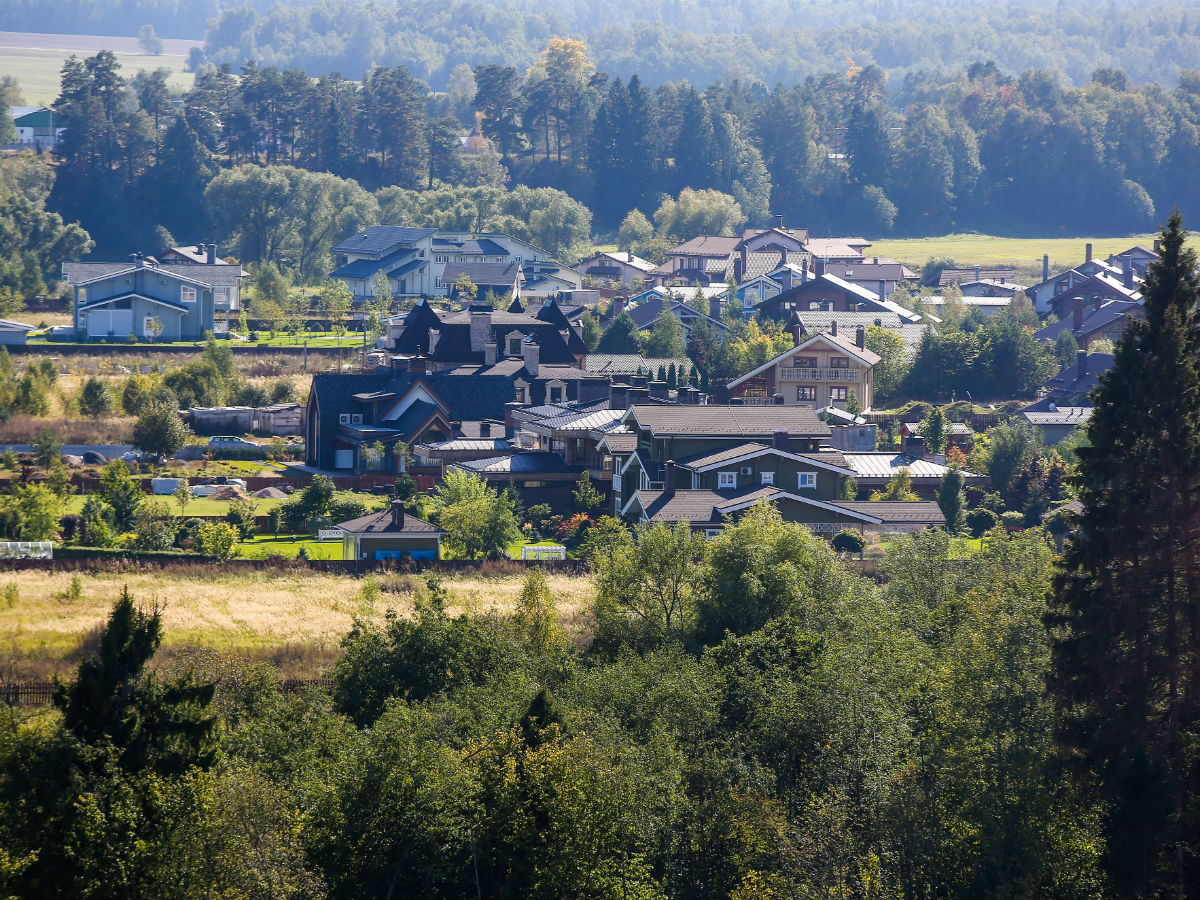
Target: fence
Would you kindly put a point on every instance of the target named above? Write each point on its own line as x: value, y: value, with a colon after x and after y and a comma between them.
x: 39, y: 693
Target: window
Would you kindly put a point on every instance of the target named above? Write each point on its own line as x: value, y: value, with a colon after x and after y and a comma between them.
x: 806, y: 393
x: 520, y: 395
x: 556, y: 395
x: 768, y: 477
x: 221, y: 294
x: 711, y: 533
x: 805, y: 362
x: 839, y: 362
x: 616, y: 481
x: 806, y: 480
x: 726, y: 480
x: 837, y: 393
x: 514, y: 346
x: 82, y: 295
x: 187, y: 294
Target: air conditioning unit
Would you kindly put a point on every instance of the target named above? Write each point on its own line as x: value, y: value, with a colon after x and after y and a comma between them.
x: 343, y: 418
x: 356, y: 419
x: 747, y: 470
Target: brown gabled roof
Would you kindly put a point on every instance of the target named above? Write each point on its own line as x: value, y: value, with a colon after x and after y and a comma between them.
x: 731, y: 421
x: 706, y: 245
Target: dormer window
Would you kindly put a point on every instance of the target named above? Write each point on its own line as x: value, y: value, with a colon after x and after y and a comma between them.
x: 726, y: 480
x: 514, y: 346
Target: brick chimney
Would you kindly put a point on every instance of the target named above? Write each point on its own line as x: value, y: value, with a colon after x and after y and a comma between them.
x: 914, y: 446
x: 833, y: 328
x: 1076, y: 313
x: 489, y: 353
x: 481, y: 327
x: 618, y: 396
x: 669, y: 477
x: 398, y: 514
x: 779, y: 439
x: 531, y: 352
x: 1081, y: 364
x: 658, y: 390
x: 212, y: 254
x: 860, y: 337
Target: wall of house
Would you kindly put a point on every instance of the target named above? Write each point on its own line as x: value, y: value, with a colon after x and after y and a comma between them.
x: 786, y: 477
x: 820, y: 382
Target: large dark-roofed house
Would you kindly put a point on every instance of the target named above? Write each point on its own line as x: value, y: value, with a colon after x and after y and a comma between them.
x: 402, y: 254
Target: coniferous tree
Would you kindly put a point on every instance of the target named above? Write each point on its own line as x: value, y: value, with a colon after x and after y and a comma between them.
x: 952, y: 500
x: 1125, y: 613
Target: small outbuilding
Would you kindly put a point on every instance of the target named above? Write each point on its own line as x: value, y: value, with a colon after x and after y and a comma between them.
x: 390, y: 534
x: 13, y: 332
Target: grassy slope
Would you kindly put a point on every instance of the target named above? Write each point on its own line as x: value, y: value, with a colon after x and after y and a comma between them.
x: 970, y: 249
x: 37, y: 67
x: 292, y: 619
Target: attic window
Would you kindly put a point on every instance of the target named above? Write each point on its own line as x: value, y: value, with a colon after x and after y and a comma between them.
x: 514, y: 346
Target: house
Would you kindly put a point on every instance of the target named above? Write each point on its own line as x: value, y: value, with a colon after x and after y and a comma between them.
x: 279, y: 419
x: 192, y: 255
x: 1097, y: 289
x: 493, y: 281
x: 653, y: 305
x: 957, y: 275
x: 548, y: 278
x: 1073, y: 385
x: 403, y: 255
x: 537, y: 477
x: 153, y: 301
x: 618, y: 365
x: 958, y: 434
x: 818, y: 371
x: 873, y: 470
x: 13, y: 333
x: 821, y: 322
x: 38, y: 127
x: 482, y: 335
x: 1053, y: 421
x: 392, y: 534
x: 820, y: 290
x: 702, y: 260
x: 616, y: 267
x: 1091, y: 320
x: 707, y: 464
x: 1050, y: 287
x: 879, y: 274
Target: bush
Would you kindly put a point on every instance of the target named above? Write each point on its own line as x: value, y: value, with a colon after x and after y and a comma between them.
x: 980, y: 521
x: 848, y: 541
x: 344, y: 509
x: 1013, y: 520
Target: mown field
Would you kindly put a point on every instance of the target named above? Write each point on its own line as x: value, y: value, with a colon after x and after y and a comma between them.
x: 36, y: 60
x: 1025, y: 253
x: 293, y: 619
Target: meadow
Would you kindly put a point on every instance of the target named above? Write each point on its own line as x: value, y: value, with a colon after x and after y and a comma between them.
x: 36, y: 60
x: 988, y: 250
x: 293, y: 618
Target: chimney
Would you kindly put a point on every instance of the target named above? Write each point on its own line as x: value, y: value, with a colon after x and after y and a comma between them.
x: 783, y: 257
x: 1081, y: 363
x: 796, y: 327
x: 416, y: 365
x: 138, y: 261
x: 481, y: 327
x: 779, y: 221
x: 914, y: 446
x: 779, y: 439
x: 977, y: 273
x: 818, y: 266
x: 1157, y: 245
x: 434, y: 337
x: 637, y: 381
x: 485, y: 429
x: 618, y: 306
x: 714, y: 308
x: 882, y: 289
x: 1087, y: 252
x: 1045, y: 267
x: 618, y: 396
x: 531, y: 352
x: 658, y: 390
x: 398, y: 513
x: 1076, y: 313
x: 833, y: 328
x: 212, y: 254
x: 637, y: 395
x: 1127, y: 272
x: 489, y: 353
x: 860, y: 337
x: 803, y: 271
x: 669, y: 477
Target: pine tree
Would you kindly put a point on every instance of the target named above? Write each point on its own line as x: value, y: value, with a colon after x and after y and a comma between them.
x: 1124, y: 618
x: 952, y: 500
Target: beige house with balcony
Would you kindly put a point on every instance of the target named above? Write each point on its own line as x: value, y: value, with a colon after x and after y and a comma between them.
x: 819, y: 371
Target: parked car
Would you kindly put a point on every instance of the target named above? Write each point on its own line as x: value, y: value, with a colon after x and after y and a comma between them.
x: 229, y: 442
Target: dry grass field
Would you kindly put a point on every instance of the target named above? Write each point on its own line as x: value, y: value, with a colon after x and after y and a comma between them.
x: 293, y: 619
x: 36, y: 60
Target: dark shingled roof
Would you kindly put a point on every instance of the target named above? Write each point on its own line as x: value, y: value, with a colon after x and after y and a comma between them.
x: 483, y: 275
x: 538, y: 462
x: 365, y: 268
x: 217, y: 276
x: 381, y: 238
x: 382, y: 523
x: 896, y: 513
x: 735, y: 421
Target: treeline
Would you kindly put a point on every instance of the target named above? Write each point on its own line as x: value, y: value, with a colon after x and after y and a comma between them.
x: 751, y: 720
x: 971, y: 149
x: 664, y: 40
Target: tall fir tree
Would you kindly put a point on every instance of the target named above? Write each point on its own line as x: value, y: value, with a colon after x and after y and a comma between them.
x: 1124, y: 618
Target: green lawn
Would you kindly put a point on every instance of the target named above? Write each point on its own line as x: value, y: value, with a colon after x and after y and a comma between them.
x: 36, y: 60
x: 514, y: 550
x: 199, y: 506
x: 262, y: 546
x: 319, y: 341
x: 969, y: 249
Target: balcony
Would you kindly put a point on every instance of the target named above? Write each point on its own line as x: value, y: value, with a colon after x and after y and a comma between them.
x: 788, y: 373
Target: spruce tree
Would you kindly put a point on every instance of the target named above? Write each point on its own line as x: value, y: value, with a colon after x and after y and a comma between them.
x: 1124, y: 617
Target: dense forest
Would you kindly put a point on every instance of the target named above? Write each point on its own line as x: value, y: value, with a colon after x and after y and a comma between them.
x: 973, y: 148
x: 663, y: 40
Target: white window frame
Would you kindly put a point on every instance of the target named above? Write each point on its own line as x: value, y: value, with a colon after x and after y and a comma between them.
x: 726, y: 480
x: 768, y: 478
x: 616, y: 481
x: 187, y: 293
x: 806, y: 481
